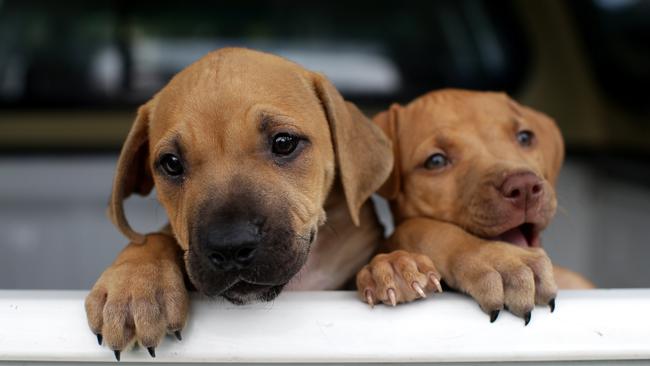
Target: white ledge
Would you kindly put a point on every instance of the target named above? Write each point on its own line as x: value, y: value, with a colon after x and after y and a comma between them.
x: 325, y: 327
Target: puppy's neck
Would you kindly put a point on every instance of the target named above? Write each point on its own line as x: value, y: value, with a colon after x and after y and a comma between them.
x: 341, y: 248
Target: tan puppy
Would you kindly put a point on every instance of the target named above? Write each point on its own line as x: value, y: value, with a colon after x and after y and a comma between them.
x: 472, y: 189
x: 249, y: 154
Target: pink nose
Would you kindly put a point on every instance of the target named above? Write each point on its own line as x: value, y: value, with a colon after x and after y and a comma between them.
x: 522, y: 189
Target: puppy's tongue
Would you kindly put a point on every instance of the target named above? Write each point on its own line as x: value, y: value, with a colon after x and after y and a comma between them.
x: 514, y: 236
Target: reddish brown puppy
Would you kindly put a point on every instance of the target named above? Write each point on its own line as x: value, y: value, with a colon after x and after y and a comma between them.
x: 471, y: 189
x: 249, y: 154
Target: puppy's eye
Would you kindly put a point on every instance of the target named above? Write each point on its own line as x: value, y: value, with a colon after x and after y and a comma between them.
x: 525, y: 138
x: 284, y: 144
x: 436, y: 161
x: 172, y: 165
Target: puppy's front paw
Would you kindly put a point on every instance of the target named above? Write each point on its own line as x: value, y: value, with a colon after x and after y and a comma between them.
x: 397, y: 277
x: 501, y: 275
x: 138, y: 298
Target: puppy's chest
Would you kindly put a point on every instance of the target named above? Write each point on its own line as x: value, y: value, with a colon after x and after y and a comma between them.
x: 340, y: 251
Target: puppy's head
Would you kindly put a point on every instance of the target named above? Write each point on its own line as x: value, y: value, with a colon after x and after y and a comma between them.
x: 243, y: 148
x: 475, y: 159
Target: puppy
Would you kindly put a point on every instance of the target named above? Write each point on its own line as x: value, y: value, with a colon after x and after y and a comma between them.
x: 249, y: 154
x: 471, y: 191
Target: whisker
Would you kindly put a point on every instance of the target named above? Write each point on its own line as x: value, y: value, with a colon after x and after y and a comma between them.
x: 561, y: 209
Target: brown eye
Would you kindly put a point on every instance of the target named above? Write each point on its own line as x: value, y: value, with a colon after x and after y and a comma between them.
x: 436, y: 161
x: 284, y: 144
x: 171, y: 165
x: 525, y: 138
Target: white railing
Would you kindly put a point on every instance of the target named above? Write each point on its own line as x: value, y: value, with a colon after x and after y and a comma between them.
x: 332, y: 327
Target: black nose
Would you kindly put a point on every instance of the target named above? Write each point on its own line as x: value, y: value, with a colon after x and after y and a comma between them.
x: 232, y: 244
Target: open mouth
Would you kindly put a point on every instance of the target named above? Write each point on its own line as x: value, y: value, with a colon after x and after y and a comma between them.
x: 243, y: 292
x: 525, y: 235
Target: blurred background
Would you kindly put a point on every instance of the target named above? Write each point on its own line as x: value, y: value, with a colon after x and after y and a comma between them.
x: 72, y: 74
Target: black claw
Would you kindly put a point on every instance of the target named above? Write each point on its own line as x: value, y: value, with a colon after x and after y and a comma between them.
x: 551, y: 304
x: 527, y: 318
x: 178, y: 335
x: 117, y: 354
x: 152, y: 351
x: 99, y: 339
x: 494, y: 315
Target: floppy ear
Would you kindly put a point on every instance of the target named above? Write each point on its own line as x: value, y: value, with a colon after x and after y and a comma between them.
x: 364, y: 156
x: 132, y: 174
x: 387, y: 121
x: 550, y: 141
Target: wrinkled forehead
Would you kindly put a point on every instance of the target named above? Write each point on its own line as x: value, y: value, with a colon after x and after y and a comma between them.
x: 218, y: 92
x: 462, y: 118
